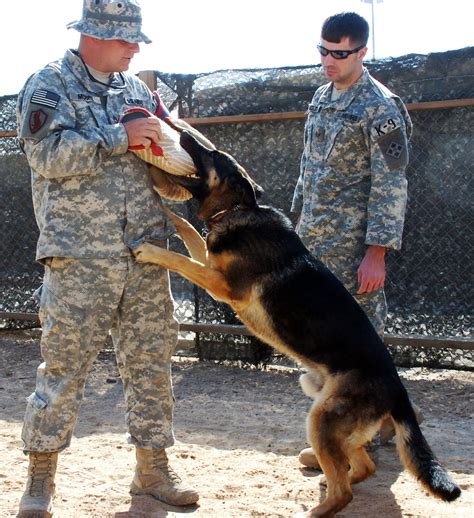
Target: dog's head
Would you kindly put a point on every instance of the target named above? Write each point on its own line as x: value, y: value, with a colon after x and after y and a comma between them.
x: 221, y: 183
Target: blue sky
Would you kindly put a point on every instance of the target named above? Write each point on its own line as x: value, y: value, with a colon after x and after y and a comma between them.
x: 192, y: 36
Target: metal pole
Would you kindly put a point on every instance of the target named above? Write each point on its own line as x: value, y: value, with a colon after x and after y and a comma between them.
x: 373, y: 31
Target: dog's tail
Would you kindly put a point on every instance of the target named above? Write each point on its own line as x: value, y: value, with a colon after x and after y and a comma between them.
x: 417, y: 456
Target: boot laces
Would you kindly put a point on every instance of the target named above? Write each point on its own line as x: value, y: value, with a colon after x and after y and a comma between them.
x: 160, y: 461
x: 41, y: 471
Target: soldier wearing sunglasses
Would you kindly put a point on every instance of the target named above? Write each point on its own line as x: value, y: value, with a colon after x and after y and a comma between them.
x: 352, y: 190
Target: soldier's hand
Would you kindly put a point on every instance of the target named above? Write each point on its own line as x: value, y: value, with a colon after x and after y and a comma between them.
x: 143, y: 131
x: 371, y: 272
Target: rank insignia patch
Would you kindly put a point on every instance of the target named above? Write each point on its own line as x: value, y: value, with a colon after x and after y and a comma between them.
x: 45, y: 98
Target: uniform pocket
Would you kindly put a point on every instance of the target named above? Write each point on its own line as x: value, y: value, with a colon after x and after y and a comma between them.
x: 59, y: 310
x: 54, y: 308
x: 346, y: 144
x: 89, y: 113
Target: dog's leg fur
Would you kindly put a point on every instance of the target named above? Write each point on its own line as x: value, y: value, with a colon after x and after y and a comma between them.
x: 327, y: 441
x: 210, y: 280
x: 193, y: 241
x: 361, y: 464
x: 311, y: 384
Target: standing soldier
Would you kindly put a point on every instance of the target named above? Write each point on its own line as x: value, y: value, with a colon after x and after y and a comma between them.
x: 93, y: 200
x: 352, y: 190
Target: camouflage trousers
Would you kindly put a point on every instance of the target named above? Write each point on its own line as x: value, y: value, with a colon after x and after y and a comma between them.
x: 344, y: 267
x: 81, y: 302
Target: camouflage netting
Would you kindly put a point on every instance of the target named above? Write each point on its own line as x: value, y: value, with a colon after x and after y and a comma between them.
x: 430, y: 285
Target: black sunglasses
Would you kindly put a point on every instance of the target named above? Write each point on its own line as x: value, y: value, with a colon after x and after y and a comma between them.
x: 338, y: 54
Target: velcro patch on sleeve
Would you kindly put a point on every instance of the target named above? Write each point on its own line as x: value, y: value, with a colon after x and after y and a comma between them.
x: 41, y: 111
x: 379, y: 130
x: 36, y: 122
x: 45, y: 98
x: 393, y: 146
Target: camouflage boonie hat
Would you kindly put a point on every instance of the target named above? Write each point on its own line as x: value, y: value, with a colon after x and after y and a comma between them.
x: 111, y: 20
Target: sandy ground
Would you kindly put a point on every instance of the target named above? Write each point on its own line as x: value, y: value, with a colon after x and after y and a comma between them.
x: 238, y: 435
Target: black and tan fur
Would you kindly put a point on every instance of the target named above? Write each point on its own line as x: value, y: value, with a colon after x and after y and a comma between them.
x: 253, y: 260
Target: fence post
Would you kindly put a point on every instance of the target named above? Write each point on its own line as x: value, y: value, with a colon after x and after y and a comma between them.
x: 149, y: 78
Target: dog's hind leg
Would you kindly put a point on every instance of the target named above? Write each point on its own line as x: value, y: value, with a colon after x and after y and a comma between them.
x: 325, y: 441
x: 361, y: 464
x: 193, y: 241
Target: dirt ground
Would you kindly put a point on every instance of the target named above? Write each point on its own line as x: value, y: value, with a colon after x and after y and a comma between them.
x: 238, y: 433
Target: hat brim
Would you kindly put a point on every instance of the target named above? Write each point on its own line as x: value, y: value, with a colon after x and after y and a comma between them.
x: 95, y: 32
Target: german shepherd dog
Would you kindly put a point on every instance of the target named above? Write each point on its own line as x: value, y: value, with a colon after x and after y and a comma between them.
x: 254, y: 261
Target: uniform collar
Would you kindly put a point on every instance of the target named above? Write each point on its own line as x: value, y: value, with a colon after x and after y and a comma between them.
x: 75, y: 63
x: 343, y: 102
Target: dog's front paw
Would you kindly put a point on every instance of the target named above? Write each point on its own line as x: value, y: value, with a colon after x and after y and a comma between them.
x: 145, y: 253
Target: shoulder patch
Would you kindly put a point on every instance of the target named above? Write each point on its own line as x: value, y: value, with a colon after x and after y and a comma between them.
x: 36, y: 122
x: 394, y: 149
x: 37, y: 119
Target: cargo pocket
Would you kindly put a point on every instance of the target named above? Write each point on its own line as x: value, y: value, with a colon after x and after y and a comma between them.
x: 52, y: 307
x: 63, y: 321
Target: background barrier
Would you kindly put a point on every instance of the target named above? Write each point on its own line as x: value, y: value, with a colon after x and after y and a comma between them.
x: 258, y: 116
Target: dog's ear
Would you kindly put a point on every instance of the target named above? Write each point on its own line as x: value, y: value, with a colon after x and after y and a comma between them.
x: 228, y: 162
x: 244, y: 190
x: 258, y: 190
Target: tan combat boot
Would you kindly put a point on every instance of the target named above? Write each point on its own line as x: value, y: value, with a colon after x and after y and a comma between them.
x: 37, y: 500
x: 153, y: 476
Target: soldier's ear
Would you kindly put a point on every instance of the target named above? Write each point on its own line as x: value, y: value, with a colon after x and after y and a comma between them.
x: 362, y: 53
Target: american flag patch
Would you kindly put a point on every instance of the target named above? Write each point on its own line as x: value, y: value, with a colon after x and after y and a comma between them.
x: 45, y: 98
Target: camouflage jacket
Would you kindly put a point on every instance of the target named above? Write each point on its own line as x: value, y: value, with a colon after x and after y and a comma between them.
x: 92, y: 198
x: 352, y: 188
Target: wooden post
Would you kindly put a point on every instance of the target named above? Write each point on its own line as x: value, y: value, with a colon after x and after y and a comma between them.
x: 148, y: 77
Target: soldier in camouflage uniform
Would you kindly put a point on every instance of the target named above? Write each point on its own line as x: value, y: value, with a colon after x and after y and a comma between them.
x: 94, y: 200
x: 352, y: 190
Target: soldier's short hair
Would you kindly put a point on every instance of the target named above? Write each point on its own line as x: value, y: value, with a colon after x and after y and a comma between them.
x: 346, y: 25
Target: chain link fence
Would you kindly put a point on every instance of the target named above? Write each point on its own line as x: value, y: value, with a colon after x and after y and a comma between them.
x: 430, y: 282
